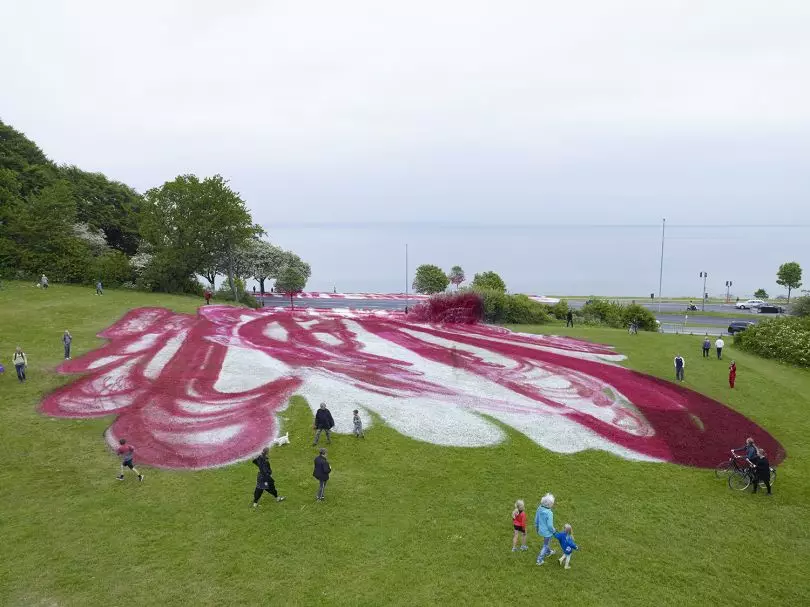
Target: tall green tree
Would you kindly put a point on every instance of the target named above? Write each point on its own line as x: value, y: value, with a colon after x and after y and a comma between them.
x: 267, y: 261
x: 430, y: 279
x: 789, y: 275
x: 292, y: 275
x: 761, y: 294
x: 192, y: 224
x: 456, y: 276
x: 488, y: 281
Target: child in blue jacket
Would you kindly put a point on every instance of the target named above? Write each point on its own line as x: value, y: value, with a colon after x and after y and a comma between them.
x: 567, y: 545
x: 544, y: 523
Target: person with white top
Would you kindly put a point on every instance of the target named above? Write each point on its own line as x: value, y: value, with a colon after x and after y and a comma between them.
x: 680, y: 363
x: 719, y: 346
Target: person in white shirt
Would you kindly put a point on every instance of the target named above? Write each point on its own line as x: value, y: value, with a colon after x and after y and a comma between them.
x: 719, y: 346
x: 680, y: 363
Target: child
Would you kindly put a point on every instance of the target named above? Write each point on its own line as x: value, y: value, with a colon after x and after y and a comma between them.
x: 567, y: 545
x: 707, y: 345
x: 20, y: 361
x: 127, y: 453
x: 358, y: 425
x: 544, y: 523
x: 519, y: 523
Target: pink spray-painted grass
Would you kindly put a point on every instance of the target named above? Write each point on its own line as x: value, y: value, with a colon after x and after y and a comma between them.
x: 201, y: 391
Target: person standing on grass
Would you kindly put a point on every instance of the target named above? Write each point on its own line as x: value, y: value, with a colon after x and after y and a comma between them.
x: 732, y: 374
x: 569, y: 319
x: 67, y: 339
x: 719, y: 344
x: 358, y: 425
x: 321, y: 472
x: 43, y: 281
x: 707, y: 345
x: 99, y: 288
x: 544, y: 524
x: 264, y: 479
x: 323, y: 422
x: 680, y: 363
x: 127, y: 454
x: 519, y: 524
x: 567, y: 545
x: 762, y: 471
x: 20, y: 361
x: 207, y: 294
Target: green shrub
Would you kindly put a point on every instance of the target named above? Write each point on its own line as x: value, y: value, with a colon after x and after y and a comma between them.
x: 786, y: 339
x: 500, y: 308
x: 600, y: 312
x: 644, y: 318
x: 112, y: 269
x: 559, y: 310
x: 224, y: 293
x: 801, y: 306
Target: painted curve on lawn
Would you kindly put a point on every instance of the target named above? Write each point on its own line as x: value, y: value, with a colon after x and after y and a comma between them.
x: 193, y: 392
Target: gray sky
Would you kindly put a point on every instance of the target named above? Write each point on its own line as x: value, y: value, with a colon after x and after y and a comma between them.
x: 512, y: 113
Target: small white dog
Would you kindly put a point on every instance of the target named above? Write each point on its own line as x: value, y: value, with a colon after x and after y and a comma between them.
x: 282, y: 440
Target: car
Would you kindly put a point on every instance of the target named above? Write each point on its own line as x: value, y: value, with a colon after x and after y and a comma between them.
x: 738, y: 326
x: 748, y: 304
x: 768, y: 308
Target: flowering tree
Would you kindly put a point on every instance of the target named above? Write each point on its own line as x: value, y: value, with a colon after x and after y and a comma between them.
x: 456, y: 276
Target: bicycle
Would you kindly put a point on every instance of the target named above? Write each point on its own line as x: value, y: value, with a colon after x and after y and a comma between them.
x: 741, y: 479
x: 728, y: 467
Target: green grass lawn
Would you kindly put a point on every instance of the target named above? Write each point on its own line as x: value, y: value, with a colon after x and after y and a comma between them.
x: 405, y: 522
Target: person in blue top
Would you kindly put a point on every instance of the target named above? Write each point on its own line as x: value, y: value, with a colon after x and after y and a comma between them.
x: 567, y: 545
x: 544, y: 524
x: 749, y: 447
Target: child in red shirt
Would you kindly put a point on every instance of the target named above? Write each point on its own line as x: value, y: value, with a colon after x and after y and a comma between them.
x: 519, y: 523
x: 127, y: 454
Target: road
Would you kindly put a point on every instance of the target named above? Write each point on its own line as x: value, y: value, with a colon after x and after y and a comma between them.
x: 672, y: 313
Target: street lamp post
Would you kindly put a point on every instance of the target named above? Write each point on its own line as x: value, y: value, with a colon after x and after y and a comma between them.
x: 406, y: 278
x: 704, y: 276
x: 728, y: 289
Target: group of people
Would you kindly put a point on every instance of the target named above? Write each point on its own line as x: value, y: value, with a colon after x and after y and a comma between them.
x: 544, y: 525
x: 757, y: 459
x: 20, y: 359
x: 719, y: 344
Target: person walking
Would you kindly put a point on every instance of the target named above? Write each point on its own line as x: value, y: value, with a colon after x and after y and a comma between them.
x: 567, y: 544
x: 762, y: 471
x: 544, y: 524
x: 207, y: 294
x: 707, y: 345
x: 323, y: 422
x: 732, y: 374
x: 20, y: 361
x: 569, y: 319
x: 519, y: 525
x: 680, y: 363
x: 264, y: 479
x: 719, y: 344
x: 99, y: 288
x: 67, y: 339
x: 127, y: 454
x: 358, y: 425
x: 321, y: 472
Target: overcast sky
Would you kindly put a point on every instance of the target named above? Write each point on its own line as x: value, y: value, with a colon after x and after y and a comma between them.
x: 420, y: 116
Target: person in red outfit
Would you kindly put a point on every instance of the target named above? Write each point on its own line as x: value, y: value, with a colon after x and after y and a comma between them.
x: 207, y: 295
x: 732, y: 374
x: 519, y: 523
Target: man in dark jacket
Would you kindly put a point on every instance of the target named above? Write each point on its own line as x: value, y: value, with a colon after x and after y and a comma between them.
x: 264, y: 479
x: 321, y: 472
x: 323, y: 421
x: 762, y: 471
x: 569, y: 319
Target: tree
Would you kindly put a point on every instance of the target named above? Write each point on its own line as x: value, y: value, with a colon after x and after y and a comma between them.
x: 790, y: 276
x: 801, y: 306
x: 267, y: 261
x: 489, y: 281
x: 761, y: 294
x: 292, y: 276
x: 195, y: 226
x: 430, y: 279
x: 456, y: 276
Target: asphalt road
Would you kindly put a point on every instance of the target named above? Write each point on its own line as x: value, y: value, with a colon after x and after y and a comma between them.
x: 672, y: 313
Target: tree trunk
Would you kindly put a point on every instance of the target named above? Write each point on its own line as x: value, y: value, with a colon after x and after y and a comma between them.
x: 261, y: 280
x: 292, y: 304
x: 788, y: 295
x: 231, y: 281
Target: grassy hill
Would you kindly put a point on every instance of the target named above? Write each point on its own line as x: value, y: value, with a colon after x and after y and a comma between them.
x: 405, y: 522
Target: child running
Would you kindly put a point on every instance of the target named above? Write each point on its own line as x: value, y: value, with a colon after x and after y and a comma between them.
x: 566, y: 539
x: 127, y: 453
x: 519, y: 523
x: 358, y: 425
x: 544, y: 523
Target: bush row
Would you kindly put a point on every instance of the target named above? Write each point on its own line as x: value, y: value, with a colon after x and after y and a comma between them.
x: 786, y: 339
x: 601, y: 312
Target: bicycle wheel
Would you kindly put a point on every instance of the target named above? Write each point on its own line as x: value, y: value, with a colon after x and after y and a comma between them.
x: 740, y: 481
x: 722, y: 470
x: 773, y: 475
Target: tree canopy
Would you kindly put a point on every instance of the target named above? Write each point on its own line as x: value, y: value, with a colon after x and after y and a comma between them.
x: 489, y: 281
x: 789, y: 275
x: 456, y: 275
x: 430, y: 279
x: 761, y: 294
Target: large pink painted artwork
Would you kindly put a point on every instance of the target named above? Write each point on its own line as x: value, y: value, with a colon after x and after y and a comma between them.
x: 201, y: 391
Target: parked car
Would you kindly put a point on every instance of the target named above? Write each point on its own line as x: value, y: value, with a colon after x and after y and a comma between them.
x: 767, y: 308
x: 738, y: 326
x: 749, y: 304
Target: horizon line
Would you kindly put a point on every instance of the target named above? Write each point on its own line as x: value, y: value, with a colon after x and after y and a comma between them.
x: 365, y: 225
